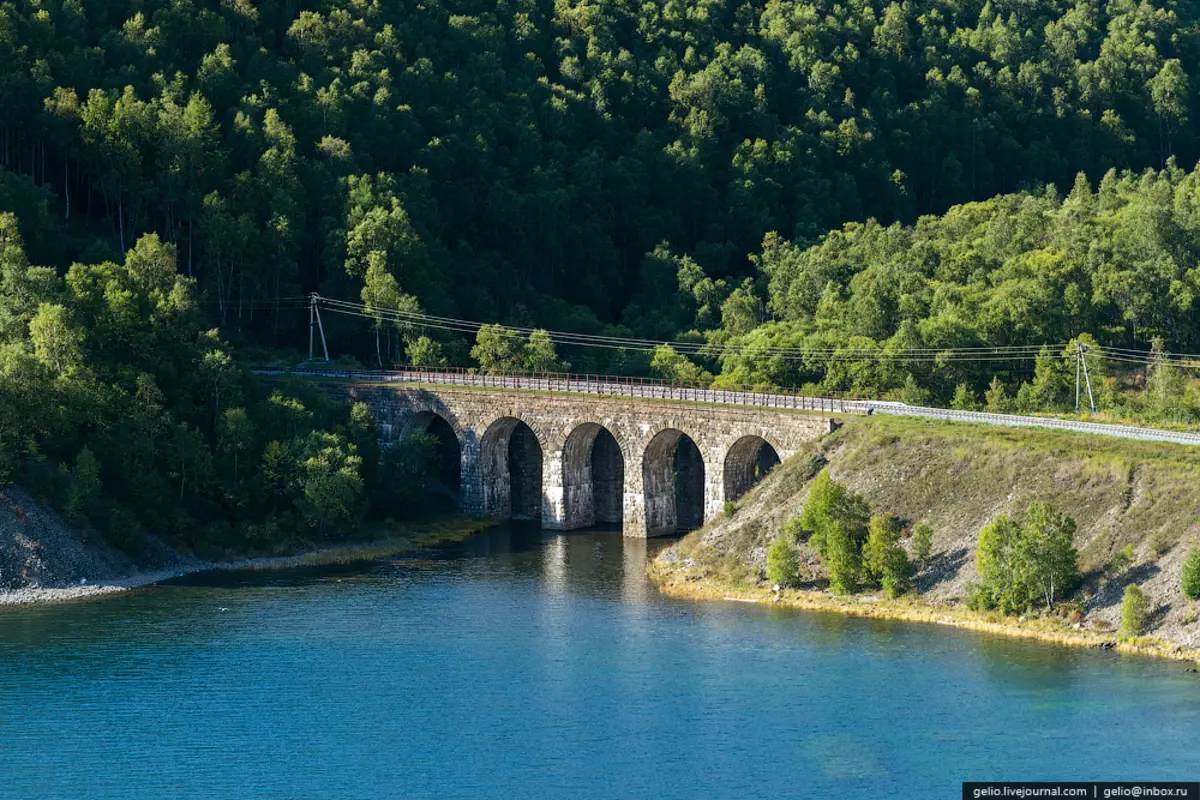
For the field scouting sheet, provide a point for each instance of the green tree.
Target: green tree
(1048, 391)
(1033, 559)
(913, 394)
(673, 366)
(330, 482)
(84, 491)
(999, 566)
(1047, 548)
(783, 562)
(831, 504)
(896, 575)
(1189, 577)
(220, 373)
(381, 295)
(884, 560)
(1135, 611)
(922, 545)
(843, 559)
(56, 340)
(235, 439)
(425, 352)
(883, 534)
(497, 349)
(1164, 383)
(964, 399)
(23, 288)
(539, 354)
(996, 398)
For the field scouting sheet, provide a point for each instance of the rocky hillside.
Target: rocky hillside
(39, 551)
(958, 477)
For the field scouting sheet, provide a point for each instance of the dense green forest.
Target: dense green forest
(1116, 264)
(518, 161)
(126, 412)
(849, 182)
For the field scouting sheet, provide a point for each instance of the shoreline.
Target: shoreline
(447, 532)
(673, 584)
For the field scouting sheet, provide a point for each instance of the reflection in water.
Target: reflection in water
(554, 558)
(634, 586)
(533, 664)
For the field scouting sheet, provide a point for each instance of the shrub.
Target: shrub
(843, 561)
(994, 560)
(883, 534)
(1135, 610)
(1158, 544)
(730, 508)
(1033, 559)
(123, 531)
(783, 562)
(1120, 561)
(897, 572)
(922, 545)
(1189, 577)
(979, 597)
(793, 529)
(883, 558)
(830, 505)
(964, 399)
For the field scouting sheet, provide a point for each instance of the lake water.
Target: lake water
(537, 665)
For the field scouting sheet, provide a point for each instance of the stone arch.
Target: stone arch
(672, 483)
(447, 468)
(593, 473)
(747, 462)
(511, 459)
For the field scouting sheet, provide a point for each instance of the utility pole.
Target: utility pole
(1078, 360)
(314, 316)
(312, 323)
(1086, 378)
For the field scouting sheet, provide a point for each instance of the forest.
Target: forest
(793, 193)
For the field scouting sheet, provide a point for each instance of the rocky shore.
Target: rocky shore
(44, 560)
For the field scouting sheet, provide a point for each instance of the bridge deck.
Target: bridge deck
(637, 388)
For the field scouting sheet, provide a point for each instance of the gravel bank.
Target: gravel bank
(44, 560)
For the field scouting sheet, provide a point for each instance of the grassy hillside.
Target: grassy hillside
(958, 477)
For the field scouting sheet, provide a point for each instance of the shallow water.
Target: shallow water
(542, 665)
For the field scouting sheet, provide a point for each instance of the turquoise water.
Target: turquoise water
(536, 665)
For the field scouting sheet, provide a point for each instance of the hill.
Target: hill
(959, 477)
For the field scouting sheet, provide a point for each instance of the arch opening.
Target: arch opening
(443, 464)
(512, 470)
(593, 477)
(747, 463)
(673, 482)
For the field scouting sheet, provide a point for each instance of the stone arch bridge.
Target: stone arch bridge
(653, 466)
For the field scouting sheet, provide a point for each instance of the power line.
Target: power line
(822, 355)
(471, 325)
(827, 354)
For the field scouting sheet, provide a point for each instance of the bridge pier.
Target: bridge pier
(554, 506)
(471, 488)
(714, 484)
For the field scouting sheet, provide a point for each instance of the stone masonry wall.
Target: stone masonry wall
(566, 429)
